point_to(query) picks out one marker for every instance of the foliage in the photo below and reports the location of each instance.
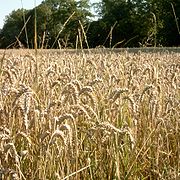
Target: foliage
(167, 13)
(138, 23)
(12, 27)
(61, 11)
(51, 16)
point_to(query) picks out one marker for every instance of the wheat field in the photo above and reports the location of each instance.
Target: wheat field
(89, 115)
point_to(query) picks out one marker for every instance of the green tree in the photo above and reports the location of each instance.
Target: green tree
(167, 13)
(13, 28)
(57, 13)
(137, 23)
(43, 16)
(64, 9)
(51, 16)
(117, 20)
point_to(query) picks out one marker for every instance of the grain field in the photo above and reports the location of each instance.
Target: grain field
(98, 115)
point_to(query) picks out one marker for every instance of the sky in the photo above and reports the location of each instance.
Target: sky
(7, 6)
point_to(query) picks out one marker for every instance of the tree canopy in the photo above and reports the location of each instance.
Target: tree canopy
(69, 24)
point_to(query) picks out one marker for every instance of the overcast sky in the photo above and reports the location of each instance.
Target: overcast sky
(8, 6)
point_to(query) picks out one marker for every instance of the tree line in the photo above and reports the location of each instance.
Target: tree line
(70, 24)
